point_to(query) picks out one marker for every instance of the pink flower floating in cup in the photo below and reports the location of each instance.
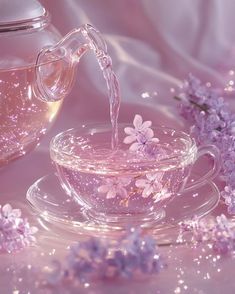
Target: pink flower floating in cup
(115, 186)
(141, 133)
(150, 185)
(15, 232)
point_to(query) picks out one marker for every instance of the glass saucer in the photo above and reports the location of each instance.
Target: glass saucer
(55, 207)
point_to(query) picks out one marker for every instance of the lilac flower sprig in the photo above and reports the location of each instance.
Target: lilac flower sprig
(213, 123)
(96, 259)
(115, 186)
(141, 137)
(219, 233)
(15, 232)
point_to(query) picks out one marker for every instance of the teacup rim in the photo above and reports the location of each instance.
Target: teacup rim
(163, 164)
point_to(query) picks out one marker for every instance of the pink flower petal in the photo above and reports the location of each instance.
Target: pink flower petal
(16, 212)
(141, 183)
(103, 189)
(125, 181)
(33, 230)
(110, 181)
(135, 146)
(154, 176)
(151, 177)
(6, 209)
(148, 190)
(164, 194)
(148, 133)
(129, 139)
(137, 122)
(111, 193)
(16, 232)
(155, 140)
(123, 193)
(157, 187)
(129, 131)
(146, 124)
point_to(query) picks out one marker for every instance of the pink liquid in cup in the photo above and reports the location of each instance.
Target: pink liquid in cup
(24, 118)
(117, 183)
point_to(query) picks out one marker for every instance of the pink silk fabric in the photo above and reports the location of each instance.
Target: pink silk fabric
(154, 44)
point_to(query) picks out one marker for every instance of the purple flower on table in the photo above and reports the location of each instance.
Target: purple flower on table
(79, 262)
(95, 248)
(143, 253)
(120, 265)
(222, 245)
(15, 232)
(55, 273)
(139, 253)
(82, 268)
(26, 232)
(223, 235)
(141, 133)
(115, 186)
(223, 223)
(213, 123)
(229, 197)
(130, 254)
(151, 185)
(197, 227)
(219, 232)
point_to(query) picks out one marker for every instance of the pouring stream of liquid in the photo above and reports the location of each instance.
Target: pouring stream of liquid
(98, 45)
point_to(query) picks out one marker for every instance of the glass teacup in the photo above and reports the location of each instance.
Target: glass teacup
(123, 185)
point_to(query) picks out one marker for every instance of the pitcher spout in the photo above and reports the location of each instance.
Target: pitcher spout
(56, 65)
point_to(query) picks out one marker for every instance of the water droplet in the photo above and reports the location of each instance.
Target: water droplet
(177, 290)
(145, 95)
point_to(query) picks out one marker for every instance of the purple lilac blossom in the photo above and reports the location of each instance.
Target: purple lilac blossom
(15, 232)
(219, 232)
(141, 135)
(213, 123)
(140, 129)
(131, 254)
(150, 185)
(115, 186)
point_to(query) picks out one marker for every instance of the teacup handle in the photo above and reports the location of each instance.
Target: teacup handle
(214, 152)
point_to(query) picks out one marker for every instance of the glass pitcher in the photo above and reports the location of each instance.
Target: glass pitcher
(37, 68)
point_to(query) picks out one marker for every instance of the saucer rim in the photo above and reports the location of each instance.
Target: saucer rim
(89, 226)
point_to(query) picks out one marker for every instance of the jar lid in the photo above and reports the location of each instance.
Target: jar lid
(21, 14)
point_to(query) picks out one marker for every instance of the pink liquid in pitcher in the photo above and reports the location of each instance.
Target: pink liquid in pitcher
(24, 118)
